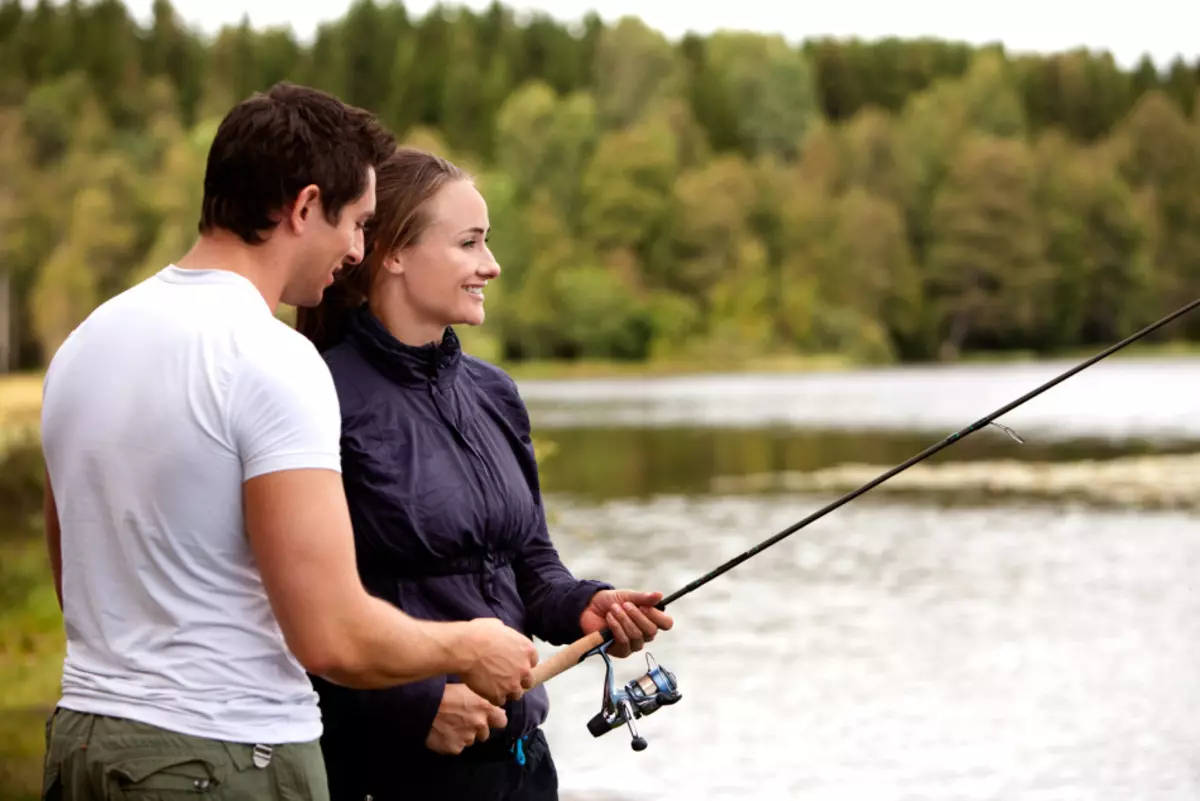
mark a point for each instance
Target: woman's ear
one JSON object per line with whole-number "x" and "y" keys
{"x": 394, "y": 264}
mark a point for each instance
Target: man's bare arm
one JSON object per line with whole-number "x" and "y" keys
{"x": 53, "y": 537}
{"x": 300, "y": 533}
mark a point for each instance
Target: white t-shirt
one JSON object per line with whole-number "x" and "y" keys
{"x": 156, "y": 409}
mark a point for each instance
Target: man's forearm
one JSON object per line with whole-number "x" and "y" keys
{"x": 385, "y": 647}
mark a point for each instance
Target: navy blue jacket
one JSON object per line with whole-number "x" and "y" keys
{"x": 439, "y": 472}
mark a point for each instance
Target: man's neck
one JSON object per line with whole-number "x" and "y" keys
{"x": 222, "y": 251}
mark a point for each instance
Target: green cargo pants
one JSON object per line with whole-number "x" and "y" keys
{"x": 98, "y": 758}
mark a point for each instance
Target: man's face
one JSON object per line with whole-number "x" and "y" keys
{"x": 323, "y": 247}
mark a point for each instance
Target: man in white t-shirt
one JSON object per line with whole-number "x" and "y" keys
{"x": 195, "y": 517}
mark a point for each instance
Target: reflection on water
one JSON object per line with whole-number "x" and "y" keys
{"x": 603, "y": 462}
{"x": 898, "y": 651}
{"x": 1114, "y": 398}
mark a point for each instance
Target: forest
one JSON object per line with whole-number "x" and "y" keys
{"x": 716, "y": 198}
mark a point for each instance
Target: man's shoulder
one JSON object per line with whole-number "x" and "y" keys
{"x": 282, "y": 405}
{"x": 114, "y": 310}
{"x": 268, "y": 343}
{"x": 93, "y": 337}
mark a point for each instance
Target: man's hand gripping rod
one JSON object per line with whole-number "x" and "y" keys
{"x": 657, "y": 687}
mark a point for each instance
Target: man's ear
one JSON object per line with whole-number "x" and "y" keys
{"x": 308, "y": 204}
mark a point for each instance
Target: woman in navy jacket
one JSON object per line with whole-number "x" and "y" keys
{"x": 439, "y": 470}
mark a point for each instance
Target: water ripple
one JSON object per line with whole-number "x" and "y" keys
{"x": 898, "y": 651}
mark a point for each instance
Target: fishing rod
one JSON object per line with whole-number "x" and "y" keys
{"x": 657, "y": 687}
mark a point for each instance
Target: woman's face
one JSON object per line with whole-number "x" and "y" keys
{"x": 441, "y": 279}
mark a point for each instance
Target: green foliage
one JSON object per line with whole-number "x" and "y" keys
{"x": 728, "y": 197}
{"x": 32, "y": 644}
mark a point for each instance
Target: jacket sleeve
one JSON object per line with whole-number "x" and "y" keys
{"x": 554, "y": 598}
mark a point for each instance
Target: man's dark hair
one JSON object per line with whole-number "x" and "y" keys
{"x": 275, "y": 143}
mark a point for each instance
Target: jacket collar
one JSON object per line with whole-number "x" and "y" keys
{"x": 406, "y": 364}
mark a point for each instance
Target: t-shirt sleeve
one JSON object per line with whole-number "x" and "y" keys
{"x": 284, "y": 412}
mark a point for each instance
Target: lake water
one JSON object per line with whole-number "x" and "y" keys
{"x": 1114, "y": 399}
{"x": 1016, "y": 649}
{"x": 896, "y": 649}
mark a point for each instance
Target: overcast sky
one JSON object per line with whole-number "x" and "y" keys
{"x": 1162, "y": 28}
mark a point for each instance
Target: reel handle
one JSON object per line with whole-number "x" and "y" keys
{"x": 568, "y": 657}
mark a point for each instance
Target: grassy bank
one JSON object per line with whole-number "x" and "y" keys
{"x": 598, "y": 368}
{"x": 1138, "y": 350}
{"x": 20, "y": 408}
{"x": 30, "y": 625}
{"x": 31, "y": 636}
{"x": 31, "y": 650}
{"x": 20, "y": 398}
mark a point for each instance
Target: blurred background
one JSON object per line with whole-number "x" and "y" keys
{"x": 744, "y": 271}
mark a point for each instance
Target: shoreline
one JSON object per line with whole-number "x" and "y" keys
{"x": 809, "y": 363}
{"x": 1129, "y": 482}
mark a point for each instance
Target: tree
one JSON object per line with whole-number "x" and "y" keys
{"x": 771, "y": 90}
{"x": 635, "y": 69}
{"x": 716, "y": 197}
{"x": 1159, "y": 152}
{"x": 985, "y": 261}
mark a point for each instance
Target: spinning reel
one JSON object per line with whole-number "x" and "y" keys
{"x": 642, "y": 696}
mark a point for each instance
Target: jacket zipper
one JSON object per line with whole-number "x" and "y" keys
{"x": 480, "y": 466}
